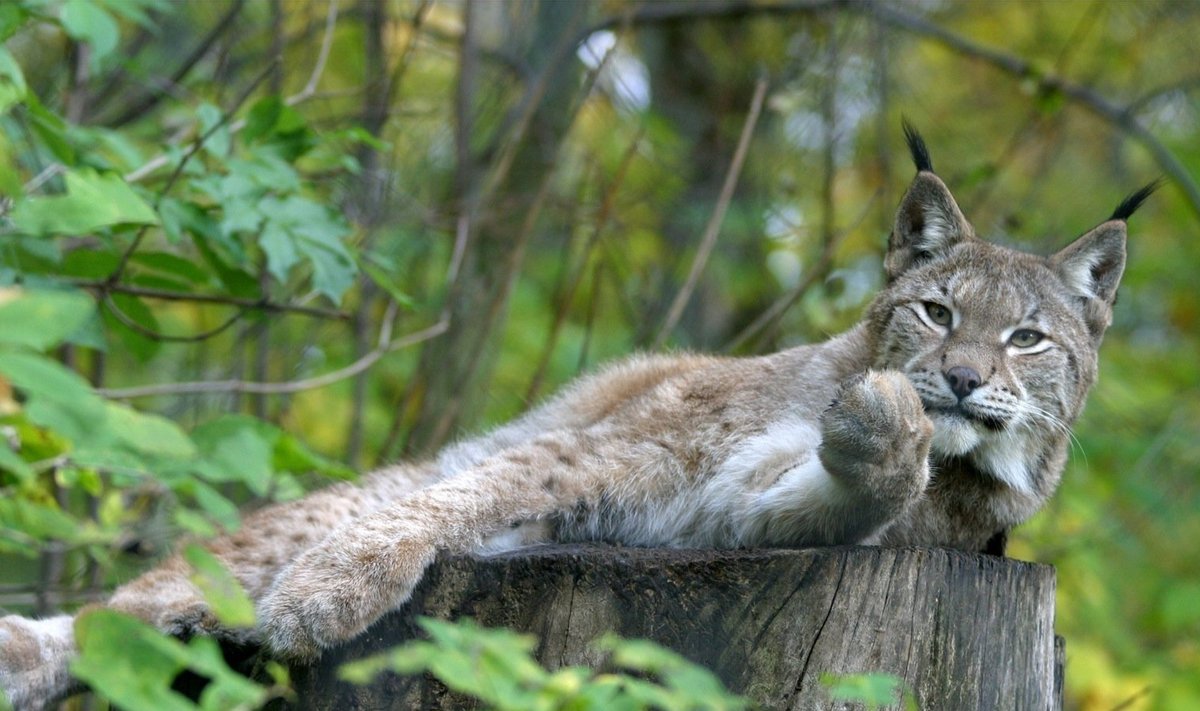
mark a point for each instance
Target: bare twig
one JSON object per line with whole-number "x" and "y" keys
{"x": 1129, "y": 702}
{"x": 42, "y": 177}
{"x": 603, "y": 216}
{"x": 304, "y": 94}
{"x": 771, "y": 316}
{"x": 150, "y": 99}
{"x": 386, "y": 345}
{"x": 1185, "y": 84}
{"x": 1086, "y": 97}
{"x": 153, "y": 335}
{"x": 1120, "y": 116}
{"x": 314, "y": 78}
{"x": 223, "y": 300}
{"x": 668, "y": 12}
{"x": 115, "y": 276}
{"x": 462, "y": 232}
{"x": 708, "y": 241}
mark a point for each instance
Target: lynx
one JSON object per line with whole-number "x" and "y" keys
{"x": 942, "y": 419}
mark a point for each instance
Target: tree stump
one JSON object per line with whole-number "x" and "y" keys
{"x": 962, "y": 631}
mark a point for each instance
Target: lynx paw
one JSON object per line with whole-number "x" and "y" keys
{"x": 335, "y": 591}
{"x": 34, "y": 659}
{"x": 876, "y": 434}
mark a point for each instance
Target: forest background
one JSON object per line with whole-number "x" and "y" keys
{"x": 250, "y": 245}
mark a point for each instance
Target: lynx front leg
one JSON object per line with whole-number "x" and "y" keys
{"x": 875, "y": 444}
{"x": 361, "y": 571}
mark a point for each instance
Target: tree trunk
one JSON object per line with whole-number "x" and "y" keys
{"x": 962, "y": 631}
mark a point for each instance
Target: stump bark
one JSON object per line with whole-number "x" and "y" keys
{"x": 962, "y": 631}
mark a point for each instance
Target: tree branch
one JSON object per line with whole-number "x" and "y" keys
{"x": 153, "y": 335}
{"x": 1086, "y": 97}
{"x": 151, "y": 99}
{"x": 318, "y": 69}
{"x": 220, "y": 299}
{"x": 386, "y": 345}
{"x": 709, "y": 240}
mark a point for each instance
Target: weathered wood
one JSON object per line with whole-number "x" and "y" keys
{"x": 963, "y": 631}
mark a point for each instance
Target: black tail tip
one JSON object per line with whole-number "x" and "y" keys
{"x": 916, "y": 146}
{"x": 1130, "y": 204}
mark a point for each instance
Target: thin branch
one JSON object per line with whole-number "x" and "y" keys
{"x": 416, "y": 29}
{"x": 306, "y": 93}
{"x": 1183, "y": 85}
{"x": 1097, "y": 104}
{"x": 223, "y": 300}
{"x": 771, "y": 316}
{"x": 1086, "y": 97}
{"x": 314, "y": 78}
{"x": 1129, "y": 702}
{"x": 386, "y": 345}
{"x": 41, "y": 178}
{"x": 709, "y": 240}
{"x": 153, "y": 335}
{"x": 461, "y": 235}
{"x": 115, "y": 276}
{"x": 603, "y": 217}
{"x": 669, "y": 12}
{"x": 150, "y": 99}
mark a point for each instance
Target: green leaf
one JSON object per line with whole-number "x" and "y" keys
{"x": 51, "y": 129}
{"x": 135, "y": 10}
{"x": 297, "y": 226}
{"x": 237, "y": 449}
{"x": 222, "y": 591}
{"x": 58, "y": 398}
{"x": 12, "y": 16}
{"x": 12, "y": 81}
{"x": 148, "y": 434}
{"x": 128, "y": 661}
{"x": 40, "y": 521}
{"x": 86, "y": 21}
{"x": 184, "y": 270}
{"x": 11, "y": 461}
{"x": 386, "y": 281}
{"x": 220, "y": 510}
{"x": 262, "y": 117}
{"x": 217, "y": 143}
{"x": 86, "y": 263}
{"x": 93, "y": 200}
{"x": 135, "y": 310}
{"x": 41, "y": 319}
{"x": 872, "y": 690}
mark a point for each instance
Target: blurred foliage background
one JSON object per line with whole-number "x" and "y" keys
{"x": 248, "y": 245}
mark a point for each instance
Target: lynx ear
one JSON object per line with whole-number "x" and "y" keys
{"x": 1092, "y": 265}
{"x": 928, "y": 223}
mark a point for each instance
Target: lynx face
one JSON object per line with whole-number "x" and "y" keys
{"x": 999, "y": 344}
{"x": 997, "y": 347}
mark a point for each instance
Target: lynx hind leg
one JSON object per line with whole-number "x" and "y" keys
{"x": 360, "y": 572}
{"x": 875, "y": 439}
{"x": 34, "y": 660}
{"x": 267, "y": 541}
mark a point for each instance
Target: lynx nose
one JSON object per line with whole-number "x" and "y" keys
{"x": 962, "y": 380}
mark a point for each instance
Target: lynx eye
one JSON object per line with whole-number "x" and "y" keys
{"x": 1025, "y": 338}
{"x": 938, "y": 314}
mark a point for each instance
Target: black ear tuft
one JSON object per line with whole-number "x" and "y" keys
{"x": 1130, "y": 204}
{"x": 916, "y": 146}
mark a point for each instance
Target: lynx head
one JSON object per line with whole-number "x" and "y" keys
{"x": 1000, "y": 345}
